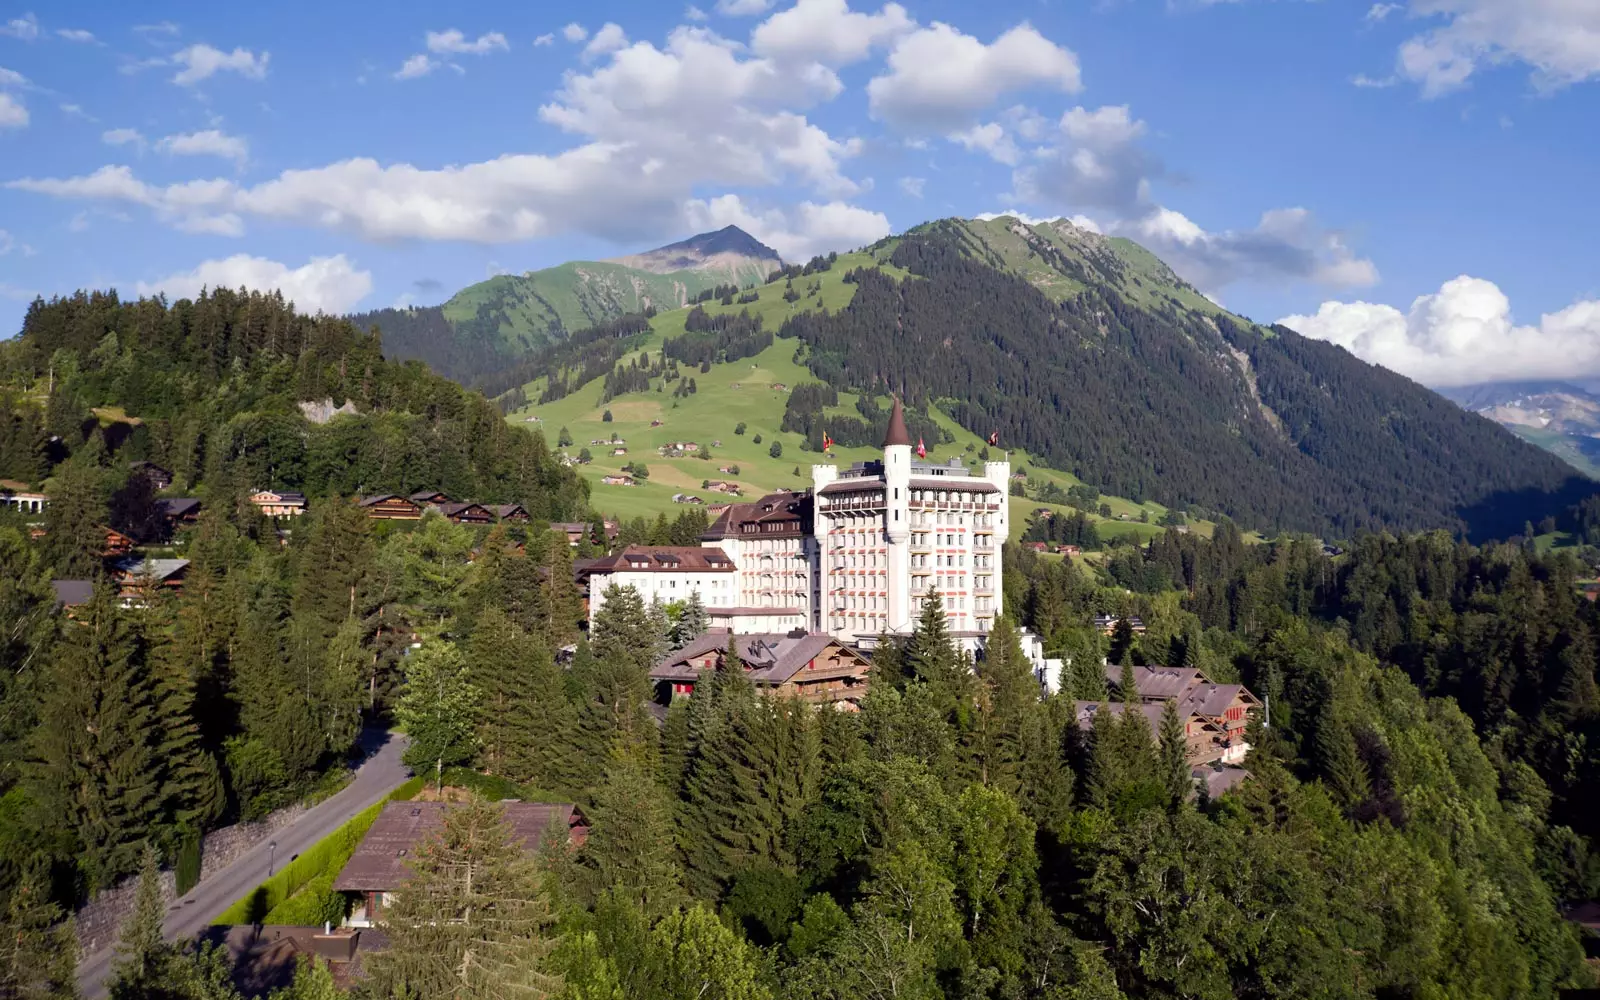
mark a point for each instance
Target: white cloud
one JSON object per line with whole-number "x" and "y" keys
{"x": 1463, "y": 333}
{"x": 122, "y": 137}
{"x": 913, "y": 185}
{"x": 828, "y": 32}
{"x": 1375, "y": 83}
{"x": 12, "y": 112}
{"x": 201, "y": 62}
{"x": 76, "y": 111}
{"x": 1559, "y": 39}
{"x": 990, "y": 139}
{"x": 610, "y": 38}
{"x": 693, "y": 13}
{"x": 453, "y": 41}
{"x": 742, "y": 8}
{"x": 575, "y": 32}
{"x": 1286, "y": 244}
{"x": 1379, "y": 11}
{"x": 211, "y": 142}
{"x": 11, "y": 78}
{"x": 78, "y": 35}
{"x": 9, "y": 243}
{"x": 323, "y": 284}
{"x": 798, "y": 233}
{"x": 940, "y": 79}
{"x": 417, "y": 65}
{"x": 160, "y": 28}
{"x": 25, "y": 27}
{"x": 1095, "y": 160}
{"x": 1022, "y": 217}
{"x": 546, "y": 39}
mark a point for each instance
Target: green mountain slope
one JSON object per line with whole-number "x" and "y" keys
{"x": 1088, "y": 356}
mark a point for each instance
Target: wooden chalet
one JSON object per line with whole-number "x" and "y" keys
{"x": 138, "y": 579}
{"x": 390, "y": 507}
{"x": 575, "y": 531}
{"x": 280, "y": 503}
{"x": 1224, "y": 707}
{"x": 616, "y": 480}
{"x": 467, "y": 513}
{"x": 810, "y": 665}
{"x": 180, "y": 511}
{"x": 382, "y": 862}
{"x": 427, "y": 498}
{"x": 1107, "y": 624}
{"x": 159, "y": 478}
{"x": 513, "y": 512}
{"x": 117, "y": 544}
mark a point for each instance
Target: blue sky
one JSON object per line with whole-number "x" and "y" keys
{"x": 1414, "y": 180}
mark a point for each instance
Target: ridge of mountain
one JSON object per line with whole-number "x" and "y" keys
{"x": 1085, "y": 354}
{"x": 487, "y": 326}
{"x": 1558, "y": 416}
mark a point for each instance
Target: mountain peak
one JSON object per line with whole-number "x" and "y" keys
{"x": 729, "y": 248}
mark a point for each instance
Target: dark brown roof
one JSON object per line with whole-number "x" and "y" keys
{"x": 665, "y": 559}
{"x": 463, "y": 509}
{"x": 969, "y": 484}
{"x": 179, "y": 506}
{"x": 1196, "y": 694}
{"x": 423, "y": 496}
{"x": 854, "y": 484}
{"x": 264, "y": 957}
{"x": 383, "y": 861}
{"x": 775, "y": 514}
{"x": 73, "y": 592}
{"x": 504, "y": 510}
{"x": 897, "y": 433}
{"x": 771, "y": 657}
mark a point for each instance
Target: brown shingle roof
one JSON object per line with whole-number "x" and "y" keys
{"x": 772, "y": 657}
{"x": 383, "y": 861}
{"x": 665, "y": 559}
{"x": 789, "y": 510}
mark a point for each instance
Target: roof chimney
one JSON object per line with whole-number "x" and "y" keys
{"x": 897, "y": 433}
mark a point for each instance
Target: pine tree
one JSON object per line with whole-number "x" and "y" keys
{"x": 95, "y": 770}
{"x": 1008, "y": 696}
{"x": 1105, "y": 762}
{"x": 525, "y": 721}
{"x": 630, "y": 846}
{"x": 38, "y": 951}
{"x": 713, "y": 828}
{"x": 75, "y": 520}
{"x": 195, "y": 792}
{"x": 146, "y": 964}
{"x": 472, "y": 921}
{"x": 1176, "y": 776}
{"x": 692, "y": 621}
{"x": 624, "y": 632}
{"x": 1341, "y": 763}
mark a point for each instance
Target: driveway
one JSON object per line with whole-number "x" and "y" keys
{"x": 377, "y": 775}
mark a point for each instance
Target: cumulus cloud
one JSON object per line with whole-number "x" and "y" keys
{"x": 990, "y": 139}
{"x": 1559, "y": 39}
{"x": 828, "y": 32}
{"x": 1286, "y": 244}
{"x": 13, "y": 113}
{"x": 11, "y": 78}
{"x": 201, "y": 62}
{"x": 742, "y": 8}
{"x": 797, "y": 233}
{"x": 415, "y": 66}
{"x": 25, "y": 27}
{"x": 1093, "y": 160}
{"x": 1380, "y": 11}
{"x": 323, "y": 284}
{"x": 160, "y": 28}
{"x": 122, "y": 137}
{"x": 78, "y": 35}
{"x": 1461, "y": 334}
{"x": 939, "y": 79}
{"x": 608, "y": 39}
{"x": 454, "y": 42}
{"x": 211, "y": 142}
{"x": 575, "y": 32}
{"x": 548, "y": 38}
{"x": 913, "y": 185}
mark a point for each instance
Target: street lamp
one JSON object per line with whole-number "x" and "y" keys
{"x": 272, "y": 850}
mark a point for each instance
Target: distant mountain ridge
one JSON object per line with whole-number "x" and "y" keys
{"x": 487, "y": 326}
{"x": 1560, "y": 417}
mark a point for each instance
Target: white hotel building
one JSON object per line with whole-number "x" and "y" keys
{"x": 853, "y": 557}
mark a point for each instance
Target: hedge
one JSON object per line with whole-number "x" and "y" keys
{"x": 276, "y": 897}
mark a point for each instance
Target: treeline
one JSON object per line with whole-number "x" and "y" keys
{"x": 803, "y": 414}
{"x": 1113, "y": 393}
{"x": 718, "y": 339}
{"x": 1064, "y": 529}
{"x": 580, "y": 359}
{"x": 211, "y": 388}
{"x": 813, "y": 266}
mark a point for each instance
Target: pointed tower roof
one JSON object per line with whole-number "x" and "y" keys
{"x": 897, "y": 433}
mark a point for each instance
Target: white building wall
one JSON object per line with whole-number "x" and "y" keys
{"x": 716, "y": 589}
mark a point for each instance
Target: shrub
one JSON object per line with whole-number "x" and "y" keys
{"x": 606, "y": 417}
{"x": 740, "y": 428}
{"x": 776, "y": 451}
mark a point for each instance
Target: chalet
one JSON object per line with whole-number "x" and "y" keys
{"x": 1206, "y": 747}
{"x": 381, "y": 864}
{"x": 1044, "y": 513}
{"x": 158, "y": 477}
{"x": 138, "y": 578}
{"x": 1107, "y": 624}
{"x": 619, "y": 451}
{"x": 263, "y": 958}
{"x": 1037, "y": 546}
{"x": 467, "y": 513}
{"x": 574, "y": 530}
{"x": 726, "y": 470}
{"x": 810, "y": 665}
{"x": 19, "y": 497}
{"x": 390, "y": 507}
{"x": 72, "y": 593}
{"x": 429, "y": 498}
{"x": 510, "y": 512}
{"x": 1072, "y": 550}
{"x": 117, "y": 544}
{"x": 616, "y": 480}
{"x": 685, "y": 498}
{"x": 778, "y": 386}
{"x": 280, "y": 503}
{"x": 1226, "y": 707}
{"x": 180, "y": 511}
{"x": 723, "y": 486}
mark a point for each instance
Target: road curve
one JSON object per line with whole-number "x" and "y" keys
{"x": 376, "y": 776}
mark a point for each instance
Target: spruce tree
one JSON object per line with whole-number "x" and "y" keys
{"x": 1009, "y": 696}
{"x": 75, "y": 520}
{"x": 1105, "y": 760}
{"x": 146, "y": 965}
{"x": 38, "y": 951}
{"x": 692, "y": 621}
{"x": 472, "y": 922}
{"x": 94, "y": 766}
{"x": 1341, "y": 763}
{"x": 194, "y": 787}
{"x": 1176, "y": 776}
{"x": 630, "y": 847}
{"x": 624, "y": 631}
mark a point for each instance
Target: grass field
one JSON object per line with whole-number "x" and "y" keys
{"x": 755, "y": 391}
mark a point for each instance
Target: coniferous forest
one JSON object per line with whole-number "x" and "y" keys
{"x": 1419, "y": 809}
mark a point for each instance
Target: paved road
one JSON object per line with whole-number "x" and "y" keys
{"x": 376, "y": 776}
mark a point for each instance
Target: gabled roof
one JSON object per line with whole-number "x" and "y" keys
{"x": 897, "y": 433}
{"x": 785, "y": 511}
{"x": 460, "y": 509}
{"x": 179, "y": 506}
{"x": 378, "y": 498}
{"x": 770, "y": 657}
{"x": 140, "y": 568}
{"x": 1196, "y": 694}
{"x": 504, "y": 510}
{"x": 423, "y": 496}
{"x": 665, "y": 559}
{"x": 383, "y": 861}
{"x": 70, "y": 593}
{"x": 284, "y": 496}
